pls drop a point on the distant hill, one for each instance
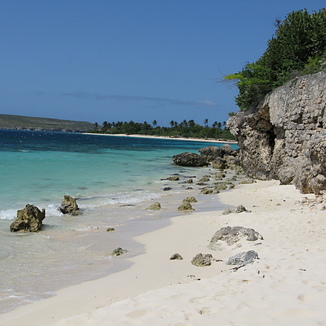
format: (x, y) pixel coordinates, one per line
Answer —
(8, 121)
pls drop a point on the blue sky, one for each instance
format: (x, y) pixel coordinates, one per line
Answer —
(122, 60)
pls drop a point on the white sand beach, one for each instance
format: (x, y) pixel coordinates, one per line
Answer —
(285, 286)
(206, 140)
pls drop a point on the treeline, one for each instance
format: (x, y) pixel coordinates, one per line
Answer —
(298, 48)
(185, 128)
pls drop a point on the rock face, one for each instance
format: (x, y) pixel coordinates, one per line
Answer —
(28, 219)
(189, 159)
(284, 137)
(69, 206)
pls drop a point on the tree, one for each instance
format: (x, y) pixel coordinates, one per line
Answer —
(154, 123)
(299, 43)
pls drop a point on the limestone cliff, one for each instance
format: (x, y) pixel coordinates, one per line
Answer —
(285, 137)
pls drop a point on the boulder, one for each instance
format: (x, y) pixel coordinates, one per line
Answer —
(189, 159)
(243, 258)
(69, 206)
(190, 199)
(185, 207)
(28, 219)
(219, 163)
(210, 153)
(231, 235)
(201, 260)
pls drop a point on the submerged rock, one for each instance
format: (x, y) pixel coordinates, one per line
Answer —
(69, 206)
(28, 219)
(231, 235)
(117, 252)
(155, 207)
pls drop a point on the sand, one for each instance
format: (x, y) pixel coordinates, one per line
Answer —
(285, 286)
(207, 140)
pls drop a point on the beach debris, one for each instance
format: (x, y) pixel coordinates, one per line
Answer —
(231, 235)
(190, 199)
(69, 206)
(118, 251)
(239, 209)
(201, 260)
(185, 207)
(110, 229)
(176, 256)
(155, 207)
(189, 159)
(29, 219)
(243, 258)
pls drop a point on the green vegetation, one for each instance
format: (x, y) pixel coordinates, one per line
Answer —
(8, 121)
(298, 48)
(184, 129)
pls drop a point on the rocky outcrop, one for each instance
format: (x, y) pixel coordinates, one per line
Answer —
(28, 219)
(284, 137)
(189, 159)
(69, 206)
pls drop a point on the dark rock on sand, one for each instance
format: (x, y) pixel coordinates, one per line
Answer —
(155, 207)
(189, 159)
(69, 206)
(28, 219)
(176, 257)
(167, 188)
(231, 235)
(201, 260)
(185, 207)
(110, 229)
(190, 199)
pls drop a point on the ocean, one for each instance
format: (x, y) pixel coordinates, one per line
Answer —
(113, 179)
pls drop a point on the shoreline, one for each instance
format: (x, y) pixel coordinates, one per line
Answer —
(156, 290)
(209, 140)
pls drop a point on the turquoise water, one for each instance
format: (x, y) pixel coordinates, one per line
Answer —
(40, 167)
(113, 179)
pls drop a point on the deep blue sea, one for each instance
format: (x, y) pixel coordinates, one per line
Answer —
(110, 176)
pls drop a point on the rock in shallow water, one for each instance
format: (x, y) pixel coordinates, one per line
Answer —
(28, 219)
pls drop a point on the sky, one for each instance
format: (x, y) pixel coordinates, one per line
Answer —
(139, 60)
